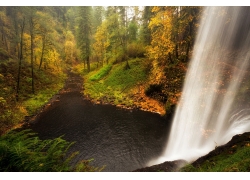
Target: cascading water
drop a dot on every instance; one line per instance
(216, 95)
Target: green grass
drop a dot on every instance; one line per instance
(225, 162)
(24, 152)
(38, 100)
(42, 96)
(101, 73)
(114, 84)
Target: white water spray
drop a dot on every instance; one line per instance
(213, 106)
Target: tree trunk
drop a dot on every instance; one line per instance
(187, 51)
(170, 58)
(20, 60)
(88, 64)
(6, 44)
(127, 65)
(41, 60)
(126, 39)
(31, 54)
(4, 40)
(176, 51)
(102, 56)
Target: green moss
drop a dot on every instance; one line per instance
(225, 162)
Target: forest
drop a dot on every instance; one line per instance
(38, 44)
(130, 57)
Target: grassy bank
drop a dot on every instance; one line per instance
(115, 84)
(239, 161)
(232, 157)
(47, 83)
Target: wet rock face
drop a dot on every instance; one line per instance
(168, 166)
(238, 140)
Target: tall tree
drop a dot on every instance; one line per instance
(69, 47)
(44, 30)
(189, 19)
(123, 33)
(145, 31)
(5, 30)
(31, 17)
(22, 25)
(172, 31)
(101, 42)
(97, 17)
(132, 30)
(113, 28)
(161, 26)
(71, 16)
(84, 33)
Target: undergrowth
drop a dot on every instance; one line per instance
(24, 152)
(12, 112)
(82, 70)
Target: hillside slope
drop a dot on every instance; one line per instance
(125, 88)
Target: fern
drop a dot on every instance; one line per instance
(24, 151)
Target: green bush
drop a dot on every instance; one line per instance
(136, 50)
(24, 152)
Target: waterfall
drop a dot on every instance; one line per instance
(215, 101)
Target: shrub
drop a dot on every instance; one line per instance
(136, 50)
(24, 151)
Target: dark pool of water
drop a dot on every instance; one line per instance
(123, 140)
